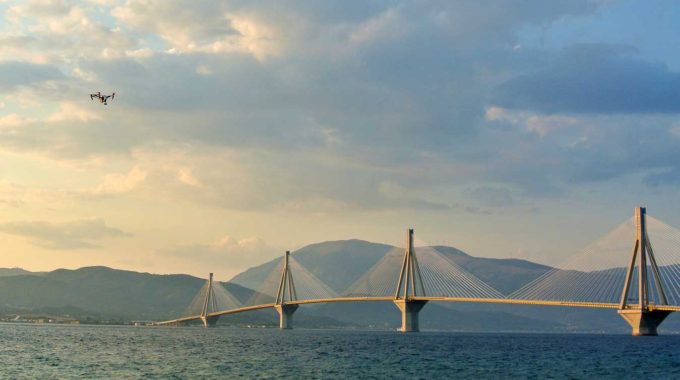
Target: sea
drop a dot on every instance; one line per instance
(30, 351)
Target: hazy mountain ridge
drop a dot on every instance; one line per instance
(340, 263)
(105, 293)
(6, 272)
(328, 261)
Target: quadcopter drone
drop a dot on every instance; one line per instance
(102, 98)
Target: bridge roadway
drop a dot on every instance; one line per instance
(596, 305)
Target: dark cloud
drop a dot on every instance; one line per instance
(599, 79)
(667, 177)
(14, 74)
(590, 149)
(362, 95)
(65, 235)
(384, 74)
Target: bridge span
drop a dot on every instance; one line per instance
(643, 276)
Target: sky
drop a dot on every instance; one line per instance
(241, 129)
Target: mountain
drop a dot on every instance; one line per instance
(340, 263)
(105, 294)
(102, 291)
(6, 272)
(504, 275)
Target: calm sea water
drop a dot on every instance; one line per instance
(49, 351)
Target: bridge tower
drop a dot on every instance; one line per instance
(209, 303)
(286, 288)
(409, 286)
(642, 317)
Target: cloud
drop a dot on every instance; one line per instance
(77, 234)
(73, 131)
(594, 79)
(114, 184)
(212, 27)
(572, 150)
(397, 86)
(397, 195)
(227, 255)
(323, 107)
(69, 111)
(12, 121)
(20, 195)
(14, 74)
(61, 32)
(334, 115)
(492, 196)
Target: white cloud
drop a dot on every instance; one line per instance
(255, 36)
(245, 244)
(12, 120)
(140, 53)
(186, 177)
(115, 183)
(532, 122)
(55, 31)
(206, 27)
(69, 111)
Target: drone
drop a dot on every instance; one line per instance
(102, 98)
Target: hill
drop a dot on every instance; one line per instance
(102, 291)
(6, 272)
(340, 263)
(105, 294)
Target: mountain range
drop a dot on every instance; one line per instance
(111, 295)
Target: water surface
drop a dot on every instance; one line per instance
(52, 351)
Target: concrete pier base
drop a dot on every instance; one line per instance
(209, 321)
(286, 315)
(409, 314)
(644, 322)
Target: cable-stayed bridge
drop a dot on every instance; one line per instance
(642, 284)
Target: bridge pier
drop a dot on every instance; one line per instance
(644, 322)
(209, 321)
(410, 285)
(409, 314)
(286, 315)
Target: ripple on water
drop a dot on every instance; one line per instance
(30, 351)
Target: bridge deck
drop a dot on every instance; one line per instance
(597, 305)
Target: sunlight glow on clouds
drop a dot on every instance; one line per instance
(303, 121)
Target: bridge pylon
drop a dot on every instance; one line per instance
(286, 293)
(209, 303)
(409, 286)
(642, 317)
